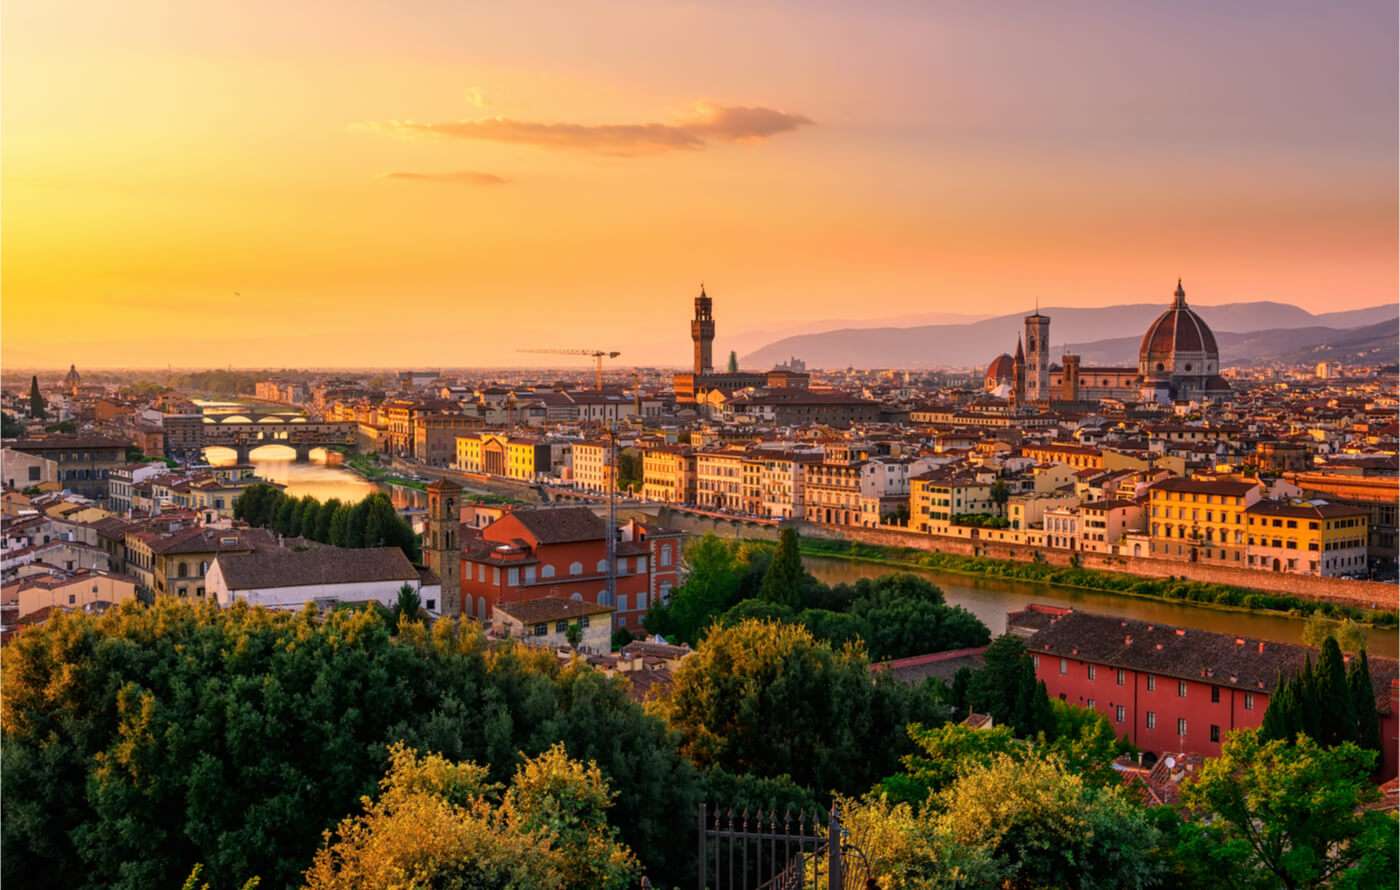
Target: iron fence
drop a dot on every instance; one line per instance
(762, 850)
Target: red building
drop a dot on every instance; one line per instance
(562, 552)
(1172, 689)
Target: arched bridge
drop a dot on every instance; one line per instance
(247, 431)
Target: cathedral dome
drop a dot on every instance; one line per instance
(999, 371)
(1178, 342)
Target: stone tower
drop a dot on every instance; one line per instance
(702, 332)
(1037, 357)
(442, 550)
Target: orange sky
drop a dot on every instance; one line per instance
(443, 183)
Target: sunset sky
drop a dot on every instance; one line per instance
(441, 183)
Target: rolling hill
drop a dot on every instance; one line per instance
(977, 343)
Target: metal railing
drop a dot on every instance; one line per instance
(765, 850)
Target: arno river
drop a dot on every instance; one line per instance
(987, 598)
(991, 598)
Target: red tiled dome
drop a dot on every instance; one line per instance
(1001, 370)
(1179, 329)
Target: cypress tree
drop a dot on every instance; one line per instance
(1335, 717)
(1281, 717)
(1363, 703)
(783, 581)
(36, 401)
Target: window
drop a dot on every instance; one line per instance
(432, 605)
(665, 591)
(1215, 695)
(529, 574)
(561, 626)
(1035, 661)
(665, 554)
(1214, 733)
(541, 630)
(182, 570)
(72, 598)
(496, 575)
(1119, 713)
(602, 566)
(1120, 677)
(583, 622)
(1151, 719)
(1093, 672)
(576, 568)
(622, 602)
(1151, 683)
(1181, 726)
(513, 577)
(1064, 666)
(1249, 701)
(547, 571)
(1180, 688)
(481, 572)
(1089, 703)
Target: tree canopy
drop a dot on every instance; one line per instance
(144, 741)
(370, 522)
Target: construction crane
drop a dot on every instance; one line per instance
(596, 354)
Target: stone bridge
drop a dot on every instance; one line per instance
(246, 431)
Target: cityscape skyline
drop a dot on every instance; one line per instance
(313, 177)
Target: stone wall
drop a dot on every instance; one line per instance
(1368, 594)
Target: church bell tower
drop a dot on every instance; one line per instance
(442, 551)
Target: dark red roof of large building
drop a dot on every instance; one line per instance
(1179, 329)
(1001, 370)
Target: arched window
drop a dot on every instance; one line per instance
(184, 570)
(575, 568)
(481, 608)
(546, 571)
(576, 597)
(469, 606)
(602, 566)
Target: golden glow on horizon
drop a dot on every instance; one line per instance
(444, 187)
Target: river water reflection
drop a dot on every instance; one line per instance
(275, 464)
(991, 598)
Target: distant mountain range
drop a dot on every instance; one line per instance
(1254, 331)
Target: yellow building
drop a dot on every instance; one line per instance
(668, 475)
(1201, 520)
(72, 592)
(469, 452)
(500, 454)
(1307, 537)
(939, 495)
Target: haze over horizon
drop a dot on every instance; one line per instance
(262, 186)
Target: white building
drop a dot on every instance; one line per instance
(546, 621)
(289, 579)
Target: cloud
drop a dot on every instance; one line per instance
(458, 177)
(706, 123)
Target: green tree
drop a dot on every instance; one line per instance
(574, 634)
(408, 605)
(37, 409)
(1336, 718)
(286, 518)
(10, 428)
(1363, 704)
(733, 362)
(906, 615)
(768, 699)
(325, 514)
(339, 535)
(1350, 635)
(1000, 495)
(443, 824)
(629, 470)
(1006, 688)
(712, 574)
(141, 742)
(786, 579)
(1292, 815)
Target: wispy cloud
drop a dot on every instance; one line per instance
(706, 123)
(456, 177)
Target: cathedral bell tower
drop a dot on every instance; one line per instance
(702, 332)
(442, 550)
